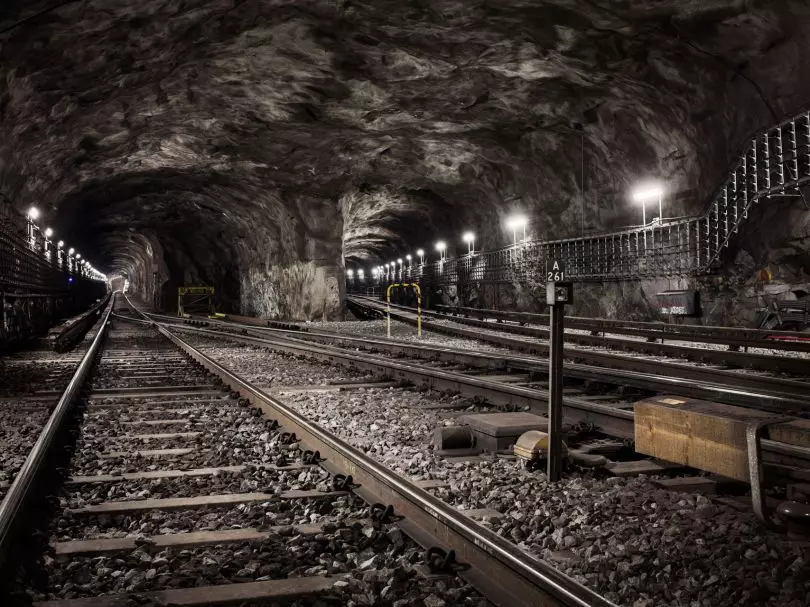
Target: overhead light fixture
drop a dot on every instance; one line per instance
(349, 273)
(33, 213)
(48, 232)
(650, 191)
(515, 223)
(60, 244)
(71, 251)
(469, 238)
(441, 247)
(647, 192)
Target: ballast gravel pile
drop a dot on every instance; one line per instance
(20, 426)
(270, 369)
(372, 565)
(235, 435)
(637, 544)
(401, 332)
(23, 413)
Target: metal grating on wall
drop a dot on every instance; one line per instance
(776, 164)
(39, 282)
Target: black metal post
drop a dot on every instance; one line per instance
(555, 387)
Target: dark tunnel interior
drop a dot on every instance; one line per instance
(261, 147)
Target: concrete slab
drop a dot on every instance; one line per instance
(226, 594)
(643, 466)
(688, 484)
(499, 431)
(504, 424)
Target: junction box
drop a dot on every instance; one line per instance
(500, 431)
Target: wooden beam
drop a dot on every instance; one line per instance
(199, 501)
(194, 539)
(228, 594)
(705, 435)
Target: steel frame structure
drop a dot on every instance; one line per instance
(776, 163)
(38, 282)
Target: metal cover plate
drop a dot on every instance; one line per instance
(504, 424)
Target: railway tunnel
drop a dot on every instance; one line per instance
(274, 280)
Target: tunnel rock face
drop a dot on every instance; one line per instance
(257, 145)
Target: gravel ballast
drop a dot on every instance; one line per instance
(372, 563)
(637, 544)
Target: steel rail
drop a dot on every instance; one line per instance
(725, 357)
(63, 337)
(19, 493)
(498, 568)
(776, 395)
(732, 336)
(612, 360)
(615, 422)
(778, 402)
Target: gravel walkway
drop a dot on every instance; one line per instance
(639, 545)
(401, 332)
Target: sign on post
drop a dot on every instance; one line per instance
(555, 270)
(558, 293)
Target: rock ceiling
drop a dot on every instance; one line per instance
(215, 137)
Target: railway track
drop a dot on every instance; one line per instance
(171, 441)
(594, 349)
(775, 394)
(32, 381)
(733, 337)
(779, 395)
(614, 419)
(351, 410)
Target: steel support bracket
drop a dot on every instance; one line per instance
(753, 436)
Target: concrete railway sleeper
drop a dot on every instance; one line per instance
(239, 457)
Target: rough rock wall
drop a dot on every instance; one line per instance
(302, 291)
(232, 131)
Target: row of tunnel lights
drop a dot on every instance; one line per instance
(70, 258)
(644, 193)
(514, 223)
